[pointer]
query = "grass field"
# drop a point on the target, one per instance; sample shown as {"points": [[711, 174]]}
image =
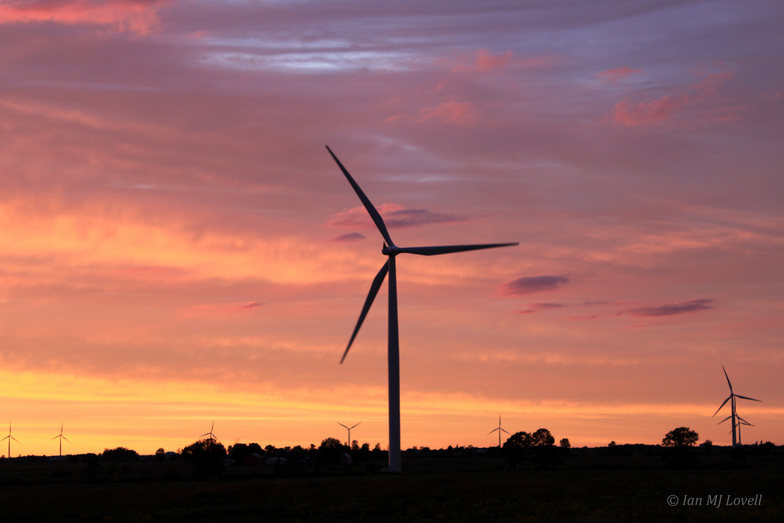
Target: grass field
{"points": [[583, 487]]}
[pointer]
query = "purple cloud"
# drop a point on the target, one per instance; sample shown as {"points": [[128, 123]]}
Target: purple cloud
{"points": [[350, 237], [394, 216], [536, 307], [532, 284], [417, 217], [671, 309]]}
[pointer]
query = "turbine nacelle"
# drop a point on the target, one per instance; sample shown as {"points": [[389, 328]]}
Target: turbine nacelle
{"points": [[390, 250]]}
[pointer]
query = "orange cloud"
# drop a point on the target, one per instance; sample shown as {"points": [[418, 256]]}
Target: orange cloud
{"points": [[133, 16]]}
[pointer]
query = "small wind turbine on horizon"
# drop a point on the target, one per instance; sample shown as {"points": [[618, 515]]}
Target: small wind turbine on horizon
{"points": [[737, 421], [61, 438], [211, 437], [9, 438], [499, 429], [349, 431], [393, 344]]}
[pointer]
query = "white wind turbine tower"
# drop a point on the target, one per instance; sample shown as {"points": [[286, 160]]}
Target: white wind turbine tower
{"points": [[393, 349], [211, 436], [737, 421], [499, 429], [9, 438], [61, 438], [349, 431]]}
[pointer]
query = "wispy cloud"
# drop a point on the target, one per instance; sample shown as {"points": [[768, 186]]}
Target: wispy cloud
{"points": [[672, 309], [350, 237], [704, 101], [618, 74], [536, 307], [394, 216], [134, 16], [532, 284]]}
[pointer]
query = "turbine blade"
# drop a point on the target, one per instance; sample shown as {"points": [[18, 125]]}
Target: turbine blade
{"points": [[448, 249], [746, 398], [728, 378], [505, 431], [355, 425], [382, 228], [725, 419], [339, 423], [66, 439], [492, 431], [725, 402], [374, 287]]}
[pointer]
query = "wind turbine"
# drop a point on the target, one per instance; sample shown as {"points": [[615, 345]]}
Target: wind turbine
{"points": [[393, 351], [211, 436], [61, 438], [736, 420], [499, 429], [9, 438], [349, 431]]}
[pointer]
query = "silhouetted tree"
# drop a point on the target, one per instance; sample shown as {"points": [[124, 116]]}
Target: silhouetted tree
{"points": [[120, 454], [240, 452], [330, 450], [206, 457], [564, 446], [680, 442], [542, 438], [515, 447], [680, 437], [521, 443]]}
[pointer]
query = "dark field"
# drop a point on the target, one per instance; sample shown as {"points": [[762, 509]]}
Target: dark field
{"points": [[631, 484]]}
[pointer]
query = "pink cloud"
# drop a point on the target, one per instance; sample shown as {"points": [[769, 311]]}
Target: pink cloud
{"points": [[134, 16], [450, 111], [486, 61], [703, 101], [646, 113]]}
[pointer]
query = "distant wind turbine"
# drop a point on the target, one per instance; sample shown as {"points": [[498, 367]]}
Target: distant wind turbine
{"points": [[499, 429], [393, 351], [737, 421], [9, 438], [211, 437], [349, 431], [61, 438]]}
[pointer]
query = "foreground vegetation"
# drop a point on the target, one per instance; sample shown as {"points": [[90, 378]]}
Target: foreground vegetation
{"points": [[618, 483]]}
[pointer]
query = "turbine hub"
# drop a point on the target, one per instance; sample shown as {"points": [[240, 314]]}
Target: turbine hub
{"points": [[390, 250]]}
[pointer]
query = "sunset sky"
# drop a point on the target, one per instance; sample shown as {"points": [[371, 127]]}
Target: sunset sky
{"points": [[178, 246]]}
